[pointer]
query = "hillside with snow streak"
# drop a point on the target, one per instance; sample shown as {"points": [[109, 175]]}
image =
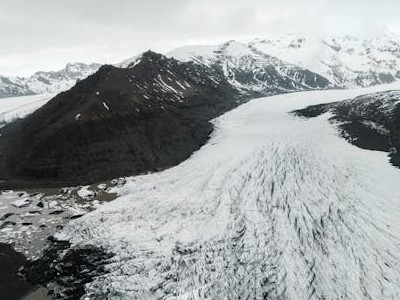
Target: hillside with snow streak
{"points": [[273, 207]]}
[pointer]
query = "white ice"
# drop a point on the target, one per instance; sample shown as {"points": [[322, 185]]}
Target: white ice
{"points": [[19, 107]]}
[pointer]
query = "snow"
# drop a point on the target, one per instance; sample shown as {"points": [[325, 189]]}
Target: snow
{"points": [[235, 57], [341, 59], [18, 107], [85, 193], [130, 62], [273, 205], [379, 128], [21, 202], [167, 86], [106, 106], [344, 60], [187, 53]]}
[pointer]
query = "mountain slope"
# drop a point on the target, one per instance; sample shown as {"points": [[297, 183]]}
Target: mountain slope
{"points": [[116, 122], [46, 82], [347, 61], [273, 207], [371, 121], [252, 72]]}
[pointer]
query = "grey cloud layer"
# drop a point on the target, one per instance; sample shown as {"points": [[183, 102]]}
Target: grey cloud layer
{"points": [[45, 34]]}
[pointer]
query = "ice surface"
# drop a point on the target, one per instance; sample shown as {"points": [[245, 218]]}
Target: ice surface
{"points": [[85, 193], [21, 202], [274, 206], [19, 107]]}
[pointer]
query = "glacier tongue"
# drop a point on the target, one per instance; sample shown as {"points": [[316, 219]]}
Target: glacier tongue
{"points": [[274, 206]]}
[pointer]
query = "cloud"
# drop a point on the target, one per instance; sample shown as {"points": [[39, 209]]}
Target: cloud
{"points": [[46, 34]]}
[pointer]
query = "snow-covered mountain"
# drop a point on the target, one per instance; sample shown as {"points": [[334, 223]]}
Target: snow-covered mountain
{"points": [[253, 72], [345, 60], [46, 82], [259, 64]]}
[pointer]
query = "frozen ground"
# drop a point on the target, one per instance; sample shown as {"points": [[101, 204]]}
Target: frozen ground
{"points": [[274, 206]]}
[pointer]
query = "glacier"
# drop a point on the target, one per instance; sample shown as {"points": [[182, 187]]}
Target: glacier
{"points": [[274, 206], [14, 108]]}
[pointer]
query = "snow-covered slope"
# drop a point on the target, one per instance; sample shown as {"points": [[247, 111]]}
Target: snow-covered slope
{"points": [[345, 60], [18, 107], [273, 207], [253, 72], [46, 82]]}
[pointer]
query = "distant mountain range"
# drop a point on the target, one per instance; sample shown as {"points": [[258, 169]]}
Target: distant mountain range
{"points": [[253, 72], [259, 67], [347, 61], [46, 82]]}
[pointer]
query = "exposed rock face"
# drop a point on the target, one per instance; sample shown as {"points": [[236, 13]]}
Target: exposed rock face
{"points": [[119, 121], [371, 121]]}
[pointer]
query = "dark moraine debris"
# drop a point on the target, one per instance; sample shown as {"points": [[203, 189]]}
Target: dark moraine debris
{"points": [[66, 269], [12, 287], [117, 122], [370, 121]]}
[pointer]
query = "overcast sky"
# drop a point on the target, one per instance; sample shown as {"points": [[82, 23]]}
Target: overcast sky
{"points": [[46, 34]]}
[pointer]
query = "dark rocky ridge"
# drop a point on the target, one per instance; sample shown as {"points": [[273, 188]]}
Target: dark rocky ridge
{"points": [[119, 121], [370, 122]]}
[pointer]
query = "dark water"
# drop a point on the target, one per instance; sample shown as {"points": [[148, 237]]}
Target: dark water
{"points": [[11, 286]]}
